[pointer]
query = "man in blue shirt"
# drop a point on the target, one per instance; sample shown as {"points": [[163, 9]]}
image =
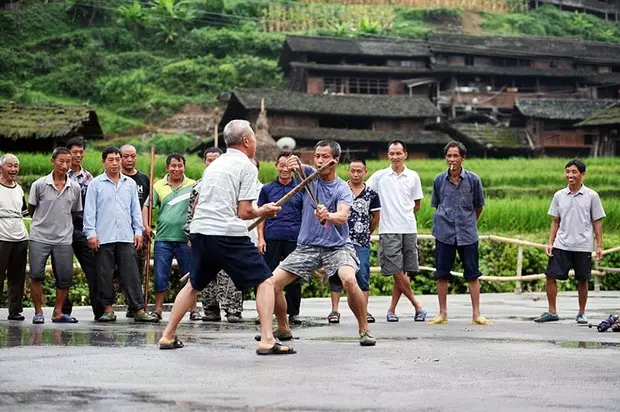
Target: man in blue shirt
{"points": [[113, 227], [323, 242], [458, 198], [277, 236]]}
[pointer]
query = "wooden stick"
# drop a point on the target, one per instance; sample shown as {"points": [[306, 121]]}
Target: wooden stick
{"points": [[147, 270], [296, 190], [284, 199]]}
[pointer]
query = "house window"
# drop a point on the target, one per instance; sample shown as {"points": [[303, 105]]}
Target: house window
{"points": [[333, 84], [469, 60], [361, 85], [588, 140]]}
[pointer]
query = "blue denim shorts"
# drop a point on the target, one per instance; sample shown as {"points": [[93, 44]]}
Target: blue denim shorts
{"points": [[164, 252]]}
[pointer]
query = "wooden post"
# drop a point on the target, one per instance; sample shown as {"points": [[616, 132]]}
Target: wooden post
{"points": [[597, 279], [215, 136], [518, 289], [147, 269]]}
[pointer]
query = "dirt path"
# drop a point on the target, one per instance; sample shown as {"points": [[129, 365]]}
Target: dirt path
{"points": [[472, 22]]}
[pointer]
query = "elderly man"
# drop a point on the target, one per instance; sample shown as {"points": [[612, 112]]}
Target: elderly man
{"points": [[458, 198], [13, 235], [220, 238], [113, 227], [143, 184]]}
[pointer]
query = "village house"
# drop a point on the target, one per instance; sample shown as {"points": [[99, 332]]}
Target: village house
{"points": [[482, 86], [40, 128]]}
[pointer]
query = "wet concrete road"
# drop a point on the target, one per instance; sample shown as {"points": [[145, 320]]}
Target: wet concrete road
{"points": [[513, 365]]}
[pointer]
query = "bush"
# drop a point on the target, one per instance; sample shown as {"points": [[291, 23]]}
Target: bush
{"points": [[7, 88]]}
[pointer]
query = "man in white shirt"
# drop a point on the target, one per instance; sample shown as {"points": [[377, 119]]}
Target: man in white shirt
{"points": [[400, 192], [13, 235], [220, 238]]}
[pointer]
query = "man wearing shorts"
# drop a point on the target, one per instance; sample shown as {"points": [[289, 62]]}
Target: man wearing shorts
{"points": [[577, 217], [51, 202], [323, 242], [363, 221], [220, 238], [458, 198], [171, 194], [400, 192]]}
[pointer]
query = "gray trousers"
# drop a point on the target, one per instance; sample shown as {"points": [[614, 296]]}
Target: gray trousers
{"points": [[13, 268], [123, 256]]}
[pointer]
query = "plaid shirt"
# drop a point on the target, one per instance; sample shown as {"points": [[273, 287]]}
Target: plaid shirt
{"points": [[83, 178]]}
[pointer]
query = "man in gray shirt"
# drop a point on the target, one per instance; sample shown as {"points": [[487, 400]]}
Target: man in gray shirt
{"points": [[458, 198], [577, 217], [52, 201]]}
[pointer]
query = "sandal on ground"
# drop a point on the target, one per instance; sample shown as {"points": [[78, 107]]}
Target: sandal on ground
{"points": [[175, 344], [391, 317], [65, 319], [370, 318], [366, 339], [276, 349], [333, 317], [482, 321], [195, 315], [278, 334], [438, 320], [420, 316], [38, 319], [156, 313], [547, 317]]}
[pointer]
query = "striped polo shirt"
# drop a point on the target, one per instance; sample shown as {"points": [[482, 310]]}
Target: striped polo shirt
{"points": [[172, 209]]}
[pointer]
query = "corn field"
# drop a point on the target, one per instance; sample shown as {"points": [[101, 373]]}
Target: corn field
{"points": [[279, 18], [495, 6]]}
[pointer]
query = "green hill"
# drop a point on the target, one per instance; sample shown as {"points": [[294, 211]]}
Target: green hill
{"points": [[138, 62]]}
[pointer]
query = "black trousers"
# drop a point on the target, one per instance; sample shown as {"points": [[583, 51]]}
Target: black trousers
{"points": [[123, 256], [13, 268], [86, 258], [277, 251]]}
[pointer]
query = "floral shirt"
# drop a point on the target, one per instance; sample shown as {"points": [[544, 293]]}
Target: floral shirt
{"points": [[359, 219]]}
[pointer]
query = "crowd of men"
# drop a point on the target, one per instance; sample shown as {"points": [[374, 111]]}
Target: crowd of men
{"points": [[104, 222]]}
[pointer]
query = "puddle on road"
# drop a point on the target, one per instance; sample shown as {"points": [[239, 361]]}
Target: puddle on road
{"points": [[573, 344], [120, 334], [44, 397]]}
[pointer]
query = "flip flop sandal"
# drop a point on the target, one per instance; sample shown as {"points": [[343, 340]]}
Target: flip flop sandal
{"points": [[65, 319], [333, 317], [420, 316], [283, 336], [391, 317], [192, 316], [176, 344], [38, 319], [276, 349], [370, 318]]}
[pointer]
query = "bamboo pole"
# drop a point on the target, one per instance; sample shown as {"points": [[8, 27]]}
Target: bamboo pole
{"points": [[518, 289], [147, 270]]}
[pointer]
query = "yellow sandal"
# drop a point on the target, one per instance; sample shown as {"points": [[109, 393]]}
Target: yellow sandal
{"points": [[438, 320], [482, 321]]}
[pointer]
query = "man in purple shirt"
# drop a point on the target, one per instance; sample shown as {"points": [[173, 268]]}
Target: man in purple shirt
{"points": [[458, 198], [323, 242]]}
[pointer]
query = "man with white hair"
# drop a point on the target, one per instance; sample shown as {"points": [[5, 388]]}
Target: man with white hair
{"points": [[13, 235], [220, 238]]}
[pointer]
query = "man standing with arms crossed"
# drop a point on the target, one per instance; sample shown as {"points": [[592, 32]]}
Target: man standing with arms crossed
{"points": [[577, 217], [113, 227], [277, 236], [220, 238], [364, 219], [400, 192], [82, 252], [458, 198], [13, 236], [51, 202]]}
